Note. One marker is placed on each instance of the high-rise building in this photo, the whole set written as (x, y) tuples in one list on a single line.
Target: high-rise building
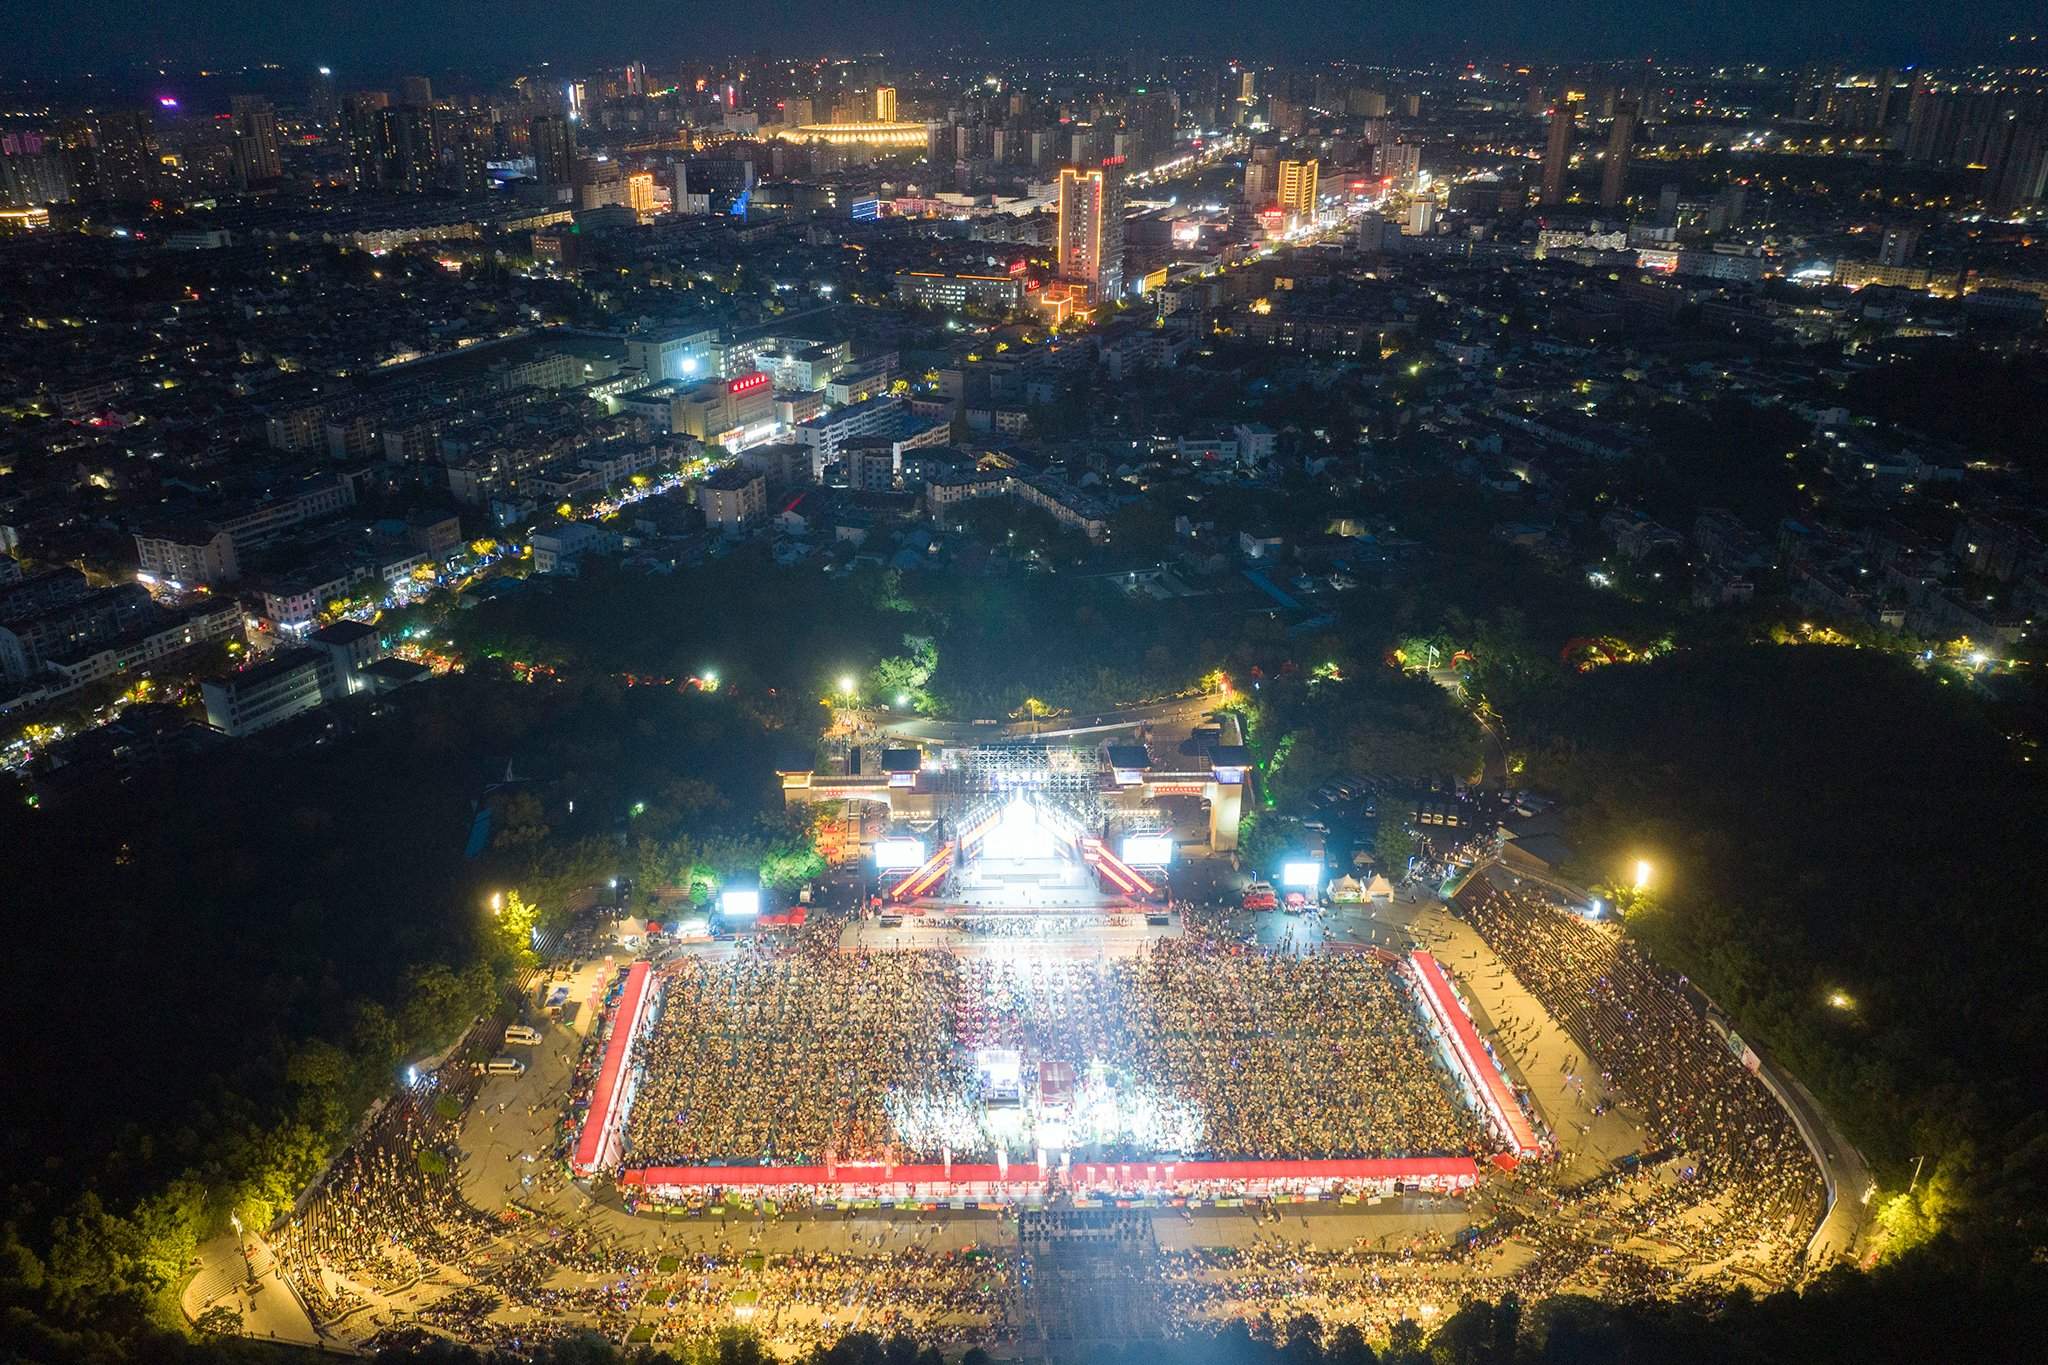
[(885, 104), (416, 91), (257, 156), (406, 154), (551, 139), (359, 114), (1149, 115), (1091, 227), (323, 100), (32, 171), (1621, 137), (1557, 152), (1298, 187), (640, 193), (1261, 176), (1900, 239), (124, 156)]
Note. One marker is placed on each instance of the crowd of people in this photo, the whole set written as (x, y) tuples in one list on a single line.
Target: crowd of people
[(802, 1056), (1740, 1185), (788, 1055), (797, 1053)]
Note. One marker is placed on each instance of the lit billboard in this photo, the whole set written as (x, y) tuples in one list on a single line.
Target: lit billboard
[(891, 854), (739, 903), (1148, 850), (1301, 876)]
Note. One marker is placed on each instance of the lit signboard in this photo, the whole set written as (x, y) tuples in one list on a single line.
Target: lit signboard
[(866, 210), (898, 853), (1148, 850), (739, 903), (747, 383), (1301, 876)]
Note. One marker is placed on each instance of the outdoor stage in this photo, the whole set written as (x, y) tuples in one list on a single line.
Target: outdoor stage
[(1018, 853)]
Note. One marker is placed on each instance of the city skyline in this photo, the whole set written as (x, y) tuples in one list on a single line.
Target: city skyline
[(445, 34)]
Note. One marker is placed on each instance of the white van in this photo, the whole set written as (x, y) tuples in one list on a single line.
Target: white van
[(519, 1035), (504, 1066)]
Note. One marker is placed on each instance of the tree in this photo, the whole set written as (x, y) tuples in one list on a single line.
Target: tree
[(218, 1322), (1393, 844)]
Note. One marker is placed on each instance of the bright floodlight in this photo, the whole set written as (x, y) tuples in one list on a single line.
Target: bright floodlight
[(739, 903), (1642, 874), (846, 686), (1301, 876)]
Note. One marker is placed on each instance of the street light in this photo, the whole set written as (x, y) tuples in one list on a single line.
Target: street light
[(497, 901), (846, 686), (1642, 874), (903, 699)]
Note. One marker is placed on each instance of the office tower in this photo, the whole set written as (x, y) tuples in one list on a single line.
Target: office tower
[(323, 100), (1667, 206), (640, 193), (885, 104), (1298, 187), (1557, 153), (1621, 136), (124, 156), (797, 111), (257, 156), (359, 114), (1091, 228), (1366, 103), (552, 140), (1286, 116), (416, 91)]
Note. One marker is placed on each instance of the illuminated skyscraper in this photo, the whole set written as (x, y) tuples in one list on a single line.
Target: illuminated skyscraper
[(1621, 137), (1091, 227), (885, 104), (1298, 187), (1557, 155)]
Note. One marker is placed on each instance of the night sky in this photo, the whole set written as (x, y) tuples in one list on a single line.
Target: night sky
[(372, 38)]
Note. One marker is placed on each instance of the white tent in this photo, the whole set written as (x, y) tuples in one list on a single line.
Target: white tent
[(1346, 889), (1380, 889)]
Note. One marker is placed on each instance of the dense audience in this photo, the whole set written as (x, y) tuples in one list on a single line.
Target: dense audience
[(800, 1053), (803, 1056), (1747, 1181)]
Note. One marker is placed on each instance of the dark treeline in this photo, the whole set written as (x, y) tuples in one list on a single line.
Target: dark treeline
[(217, 968)]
